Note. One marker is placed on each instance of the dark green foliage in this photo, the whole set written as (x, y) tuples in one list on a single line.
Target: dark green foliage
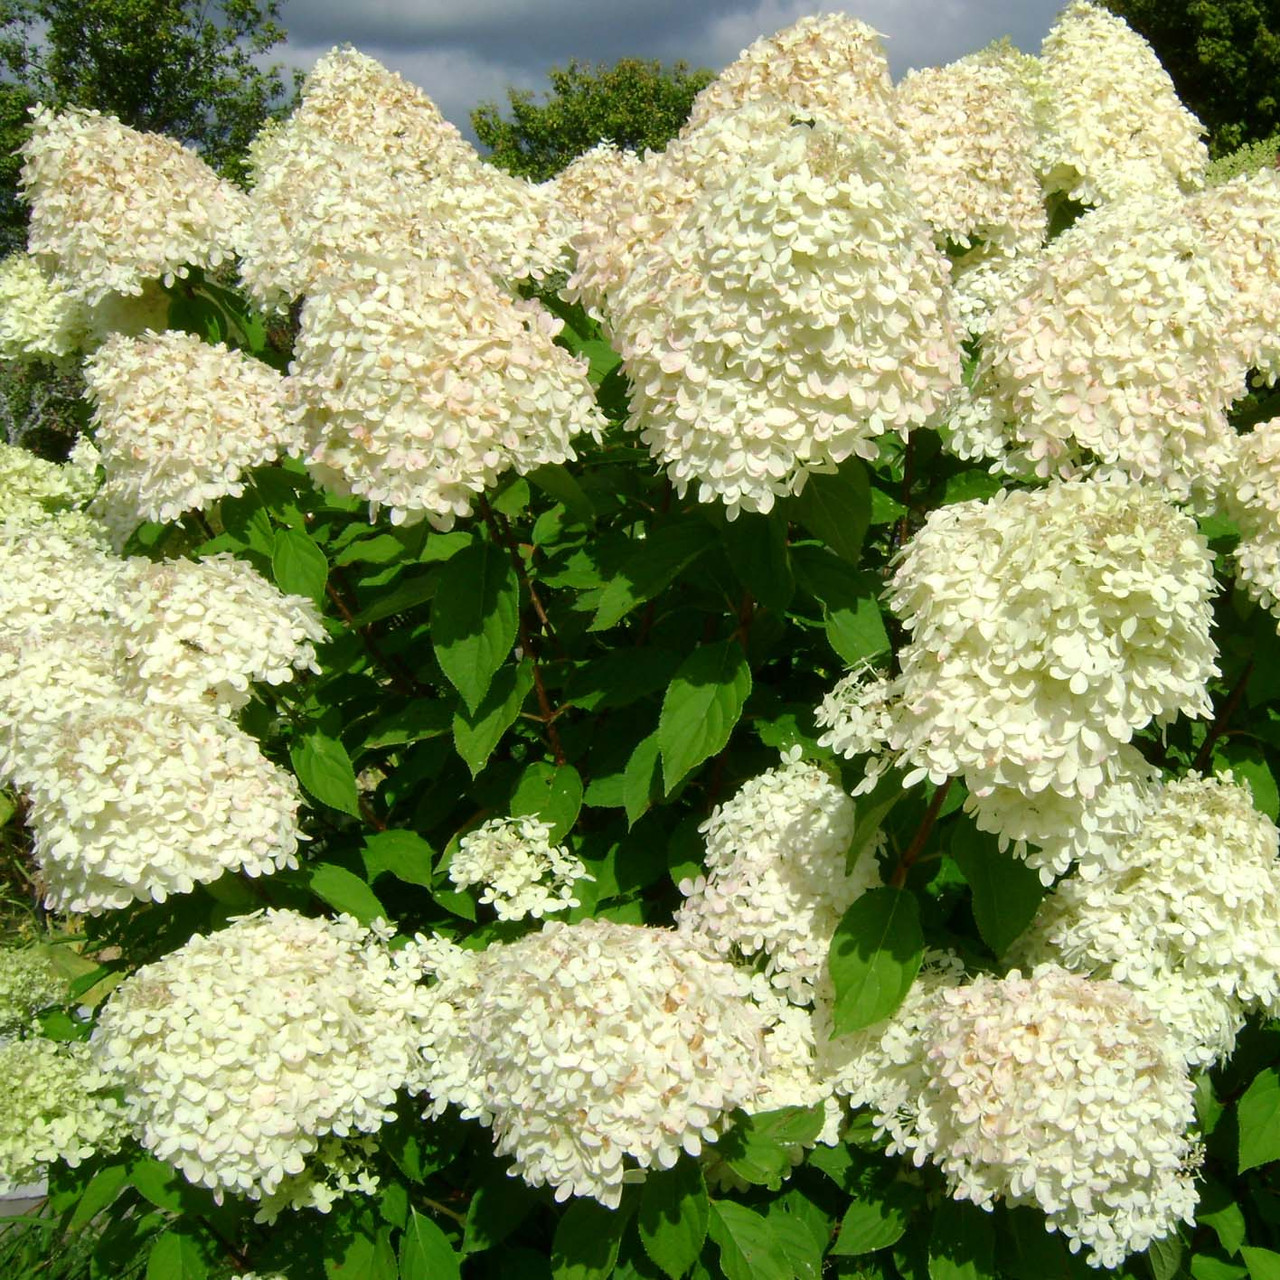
[(1224, 58), (634, 104)]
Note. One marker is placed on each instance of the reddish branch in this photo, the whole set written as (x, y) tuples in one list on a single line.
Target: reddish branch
[(401, 677), (1223, 718), (916, 847)]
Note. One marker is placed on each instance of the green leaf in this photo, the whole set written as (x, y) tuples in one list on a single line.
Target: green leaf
[(641, 780), (849, 598), (962, 1245), (1249, 765), (758, 1147), (298, 565), (1026, 1251), (585, 1246), (500, 1204), (476, 736), (473, 619), (655, 563), (1263, 1264), (422, 718), (359, 1257), (874, 957), (871, 812), (325, 770), (621, 677), (965, 486), (561, 484), (1259, 1118), (103, 1188), (1204, 1266), (701, 706), (1165, 1257), (405, 854), (343, 890), (425, 1252), (177, 1255), (795, 1243), (757, 550), (1219, 1209), (673, 1217), (748, 1249), (551, 793), (382, 548), (875, 1220), (1208, 1109), (408, 594), (837, 509), (160, 1183), (1006, 892)]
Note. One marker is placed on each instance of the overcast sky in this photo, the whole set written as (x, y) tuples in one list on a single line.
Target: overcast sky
[(463, 52)]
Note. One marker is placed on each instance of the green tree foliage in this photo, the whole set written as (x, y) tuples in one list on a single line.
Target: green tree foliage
[(634, 104), (167, 66), (1224, 57)]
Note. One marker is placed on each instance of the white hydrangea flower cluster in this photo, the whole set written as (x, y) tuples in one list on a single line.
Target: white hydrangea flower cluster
[(27, 985), (588, 185), (1115, 125), (883, 1066), (1240, 223), (521, 871), (614, 235), (112, 208), (56, 1108), (133, 801), (179, 420), (791, 1077), (810, 227), (1051, 831), (1117, 350), (1046, 628), (982, 280), (364, 158), (857, 716), (1061, 1092), (32, 488), (241, 1051), (776, 882), (417, 388), (116, 683), (200, 631), (1251, 496), (968, 137), (830, 65), (596, 1051), (1186, 916), (340, 1167), (319, 204), (56, 579), (39, 320)]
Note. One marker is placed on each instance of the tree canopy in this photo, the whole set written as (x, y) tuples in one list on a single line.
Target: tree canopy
[(1224, 58), (633, 103), (167, 66)]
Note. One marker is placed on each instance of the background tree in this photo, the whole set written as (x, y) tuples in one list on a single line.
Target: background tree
[(178, 67), (634, 104), (1224, 58)]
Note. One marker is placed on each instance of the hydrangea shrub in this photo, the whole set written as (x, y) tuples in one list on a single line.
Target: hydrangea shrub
[(713, 717)]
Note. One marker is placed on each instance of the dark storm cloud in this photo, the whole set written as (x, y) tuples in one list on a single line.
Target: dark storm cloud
[(467, 51)]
